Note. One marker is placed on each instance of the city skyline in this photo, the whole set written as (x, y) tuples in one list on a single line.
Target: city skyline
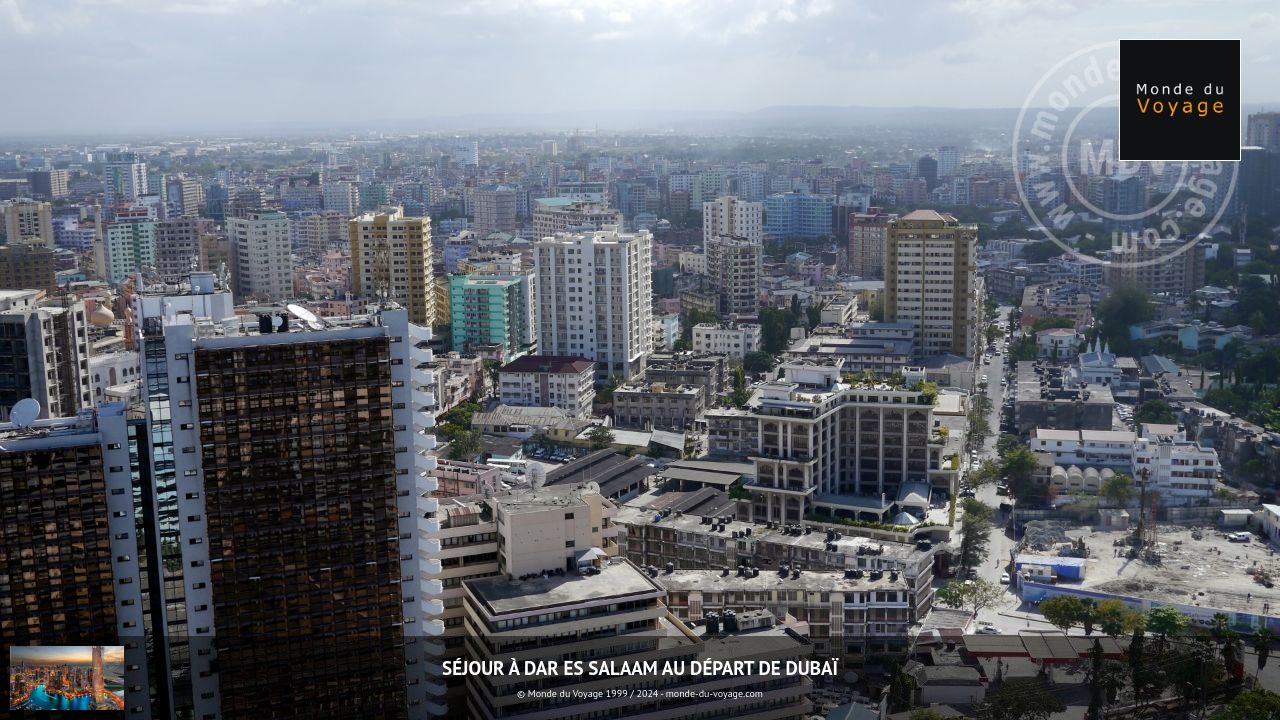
[(64, 654), (763, 54)]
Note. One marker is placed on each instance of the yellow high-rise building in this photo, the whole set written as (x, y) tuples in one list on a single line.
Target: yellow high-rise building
[(931, 280), (391, 258)]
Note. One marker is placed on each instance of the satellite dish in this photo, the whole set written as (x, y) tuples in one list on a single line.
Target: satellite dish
[(277, 321), (307, 317), (25, 412), (591, 488)]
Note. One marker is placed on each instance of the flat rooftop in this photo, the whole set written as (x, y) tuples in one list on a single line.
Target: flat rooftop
[(1209, 572), (636, 512), (617, 580), (770, 579)]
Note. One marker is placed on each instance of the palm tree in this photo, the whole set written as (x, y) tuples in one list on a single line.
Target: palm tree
[(1232, 649), (1262, 645)]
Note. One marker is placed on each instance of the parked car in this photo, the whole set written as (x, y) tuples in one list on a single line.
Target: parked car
[(1004, 578)]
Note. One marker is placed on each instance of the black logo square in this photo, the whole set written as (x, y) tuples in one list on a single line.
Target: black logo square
[(1180, 100)]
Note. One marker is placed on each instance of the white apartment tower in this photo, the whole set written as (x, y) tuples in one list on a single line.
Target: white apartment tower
[(343, 197), (727, 215), (262, 265), (595, 295)]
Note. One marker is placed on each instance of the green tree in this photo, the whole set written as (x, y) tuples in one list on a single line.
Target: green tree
[(1154, 411), (1256, 704), (1020, 699), (987, 472), (465, 445), (1115, 618), (1127, 304), (1018, 468), (600, 437), (975, 532), (757, 362), (1050, 322), (972, 594), (1097, 693), (876, 309), (1166, 622), (739, 396), (1262, 646), (1063, 611), (1118, 489), (605, 393), (1006, 443)]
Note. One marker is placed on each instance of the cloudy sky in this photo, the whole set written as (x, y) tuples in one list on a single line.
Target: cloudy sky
[(147, 65)]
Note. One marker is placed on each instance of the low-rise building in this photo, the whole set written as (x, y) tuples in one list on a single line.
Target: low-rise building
[(1174, 466), (549, 381), (1045, 398), (1057, 343), (726, 339), (690, 368), (660, 406)]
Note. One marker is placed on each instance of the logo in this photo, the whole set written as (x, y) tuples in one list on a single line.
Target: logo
[(1082, 196)]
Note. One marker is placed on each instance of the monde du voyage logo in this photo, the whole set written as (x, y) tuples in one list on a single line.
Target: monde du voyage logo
[(1180, 100)]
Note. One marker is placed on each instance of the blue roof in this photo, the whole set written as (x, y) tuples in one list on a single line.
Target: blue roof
[(1050, 560)]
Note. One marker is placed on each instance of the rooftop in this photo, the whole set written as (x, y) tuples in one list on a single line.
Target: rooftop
[(770, 579), (548, 363), (617, 580)]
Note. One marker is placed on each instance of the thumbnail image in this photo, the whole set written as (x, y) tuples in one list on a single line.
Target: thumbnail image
[(67, 677)]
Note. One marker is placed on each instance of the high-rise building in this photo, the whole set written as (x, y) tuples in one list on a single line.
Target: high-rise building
[(931, 280), (557, 215), (28, 267), (813, 437), (128, 247), (71, 545), (322, 230), (1258, 183), (177, 247), (1122, 200), (342, 197), (466, 152), (927, 168), (1264, 131), (868, 233), (292, 482), (124, 178), (27, 221), (797, 214), (734, 266), (948, 161), (184, 196), (494, 209), (727, 215), (378, 242), (489, 315), (45, 356), (595, 299), (262, 266), (1160, 267), (49, 184)]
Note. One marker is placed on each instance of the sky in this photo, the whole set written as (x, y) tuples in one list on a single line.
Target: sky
[(64, 654), (148, 65)]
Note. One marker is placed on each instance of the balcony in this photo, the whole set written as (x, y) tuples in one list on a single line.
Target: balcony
[(428, 483), (433, 628), (431, 546), (435, 687), (424, 398), (427, 504), (430, 566), (421, 355), (424, 440), (423, 376), (430, 526), (424, 420), (431, 587), (419, 333), (435, 709), (426, 463)]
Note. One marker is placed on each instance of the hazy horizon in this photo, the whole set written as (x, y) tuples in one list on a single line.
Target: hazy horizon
[(146, 66)]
